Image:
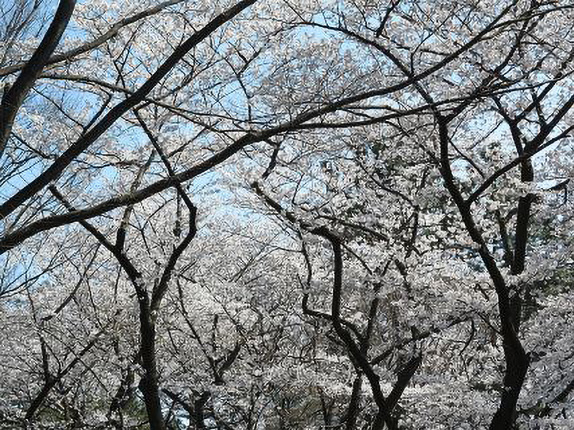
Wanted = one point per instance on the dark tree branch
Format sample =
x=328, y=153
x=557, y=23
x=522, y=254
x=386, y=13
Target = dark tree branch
x=15, y=95
x=63, y=161
x=108, y=35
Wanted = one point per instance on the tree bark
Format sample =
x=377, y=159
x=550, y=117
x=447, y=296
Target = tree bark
x=14, y=96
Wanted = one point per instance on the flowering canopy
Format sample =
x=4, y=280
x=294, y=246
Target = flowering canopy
x=286, y=214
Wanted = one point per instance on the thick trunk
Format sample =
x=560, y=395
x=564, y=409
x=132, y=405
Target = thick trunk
x=516, y=359
x=517, y=366
x=354, y=404
x=149, y=384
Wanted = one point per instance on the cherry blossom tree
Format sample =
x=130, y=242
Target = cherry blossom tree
x=291, y=214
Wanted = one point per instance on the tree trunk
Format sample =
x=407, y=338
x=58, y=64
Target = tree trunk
x=149, y=384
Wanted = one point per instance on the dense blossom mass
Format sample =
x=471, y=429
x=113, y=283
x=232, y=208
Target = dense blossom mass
x=286, y=214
